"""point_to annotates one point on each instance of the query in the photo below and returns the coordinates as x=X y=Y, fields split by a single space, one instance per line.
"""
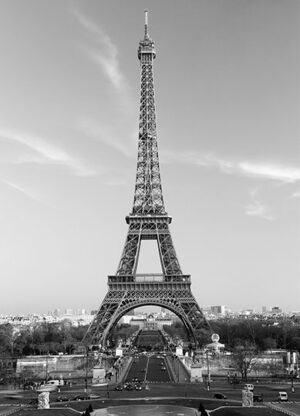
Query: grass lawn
x=245 y=411
x=46 y=412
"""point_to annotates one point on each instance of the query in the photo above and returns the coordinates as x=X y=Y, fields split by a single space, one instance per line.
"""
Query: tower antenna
x=146 y=23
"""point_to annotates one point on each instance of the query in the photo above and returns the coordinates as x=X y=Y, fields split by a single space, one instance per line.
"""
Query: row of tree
x=62 y=337
x=263 y=334
x=45 y=338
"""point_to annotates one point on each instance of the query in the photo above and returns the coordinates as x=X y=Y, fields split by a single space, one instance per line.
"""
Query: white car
x=282 y=396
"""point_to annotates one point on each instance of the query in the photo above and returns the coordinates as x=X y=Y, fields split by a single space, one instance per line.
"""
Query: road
x=152 y=370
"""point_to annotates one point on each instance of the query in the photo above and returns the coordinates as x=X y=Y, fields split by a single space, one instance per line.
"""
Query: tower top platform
x=146 y=45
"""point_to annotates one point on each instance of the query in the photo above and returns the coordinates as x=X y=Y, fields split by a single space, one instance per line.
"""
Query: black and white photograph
x=150 y=207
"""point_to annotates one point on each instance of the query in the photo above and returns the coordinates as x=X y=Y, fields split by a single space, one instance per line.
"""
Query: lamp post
x=47 y=364
x=291 y=361
x=208 y=371
x=86 y=370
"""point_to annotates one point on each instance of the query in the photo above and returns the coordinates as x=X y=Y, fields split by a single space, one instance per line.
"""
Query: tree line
x=62 y=337
x=264 y=334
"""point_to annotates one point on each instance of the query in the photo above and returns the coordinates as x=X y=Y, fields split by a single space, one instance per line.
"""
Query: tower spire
x=146 y=24
x=148 y=198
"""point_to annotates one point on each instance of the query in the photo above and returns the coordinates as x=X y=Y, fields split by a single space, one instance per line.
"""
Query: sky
x=227 y=91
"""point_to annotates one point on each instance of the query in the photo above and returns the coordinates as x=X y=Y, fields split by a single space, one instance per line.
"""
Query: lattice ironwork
x=148 y=220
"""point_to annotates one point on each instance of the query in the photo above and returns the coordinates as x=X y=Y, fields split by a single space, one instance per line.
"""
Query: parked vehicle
x=258 y=398
x=62 y=399
x=80 y=397
x=119 y=387
x=249 y=387
x=220 y=396
x=282 y=396
x=56 y=382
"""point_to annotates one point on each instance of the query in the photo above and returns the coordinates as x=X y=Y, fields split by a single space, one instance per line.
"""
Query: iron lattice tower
x=148 y=220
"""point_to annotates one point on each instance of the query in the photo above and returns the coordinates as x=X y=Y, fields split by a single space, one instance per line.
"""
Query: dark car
x=119 y=387
x=138 y=386
x=129 y=387
x=62 y=399
x=258 y=398
x=80 y=397
x=220 y=396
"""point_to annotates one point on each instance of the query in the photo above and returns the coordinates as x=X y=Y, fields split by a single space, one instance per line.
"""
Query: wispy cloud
x=103 y=51
x=105 y=133
x=46 y=153
x=28 y=193
x=272 y=171
x=257 y=209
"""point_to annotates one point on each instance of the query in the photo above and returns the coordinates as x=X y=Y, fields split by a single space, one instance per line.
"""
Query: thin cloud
x=276 y=172
x=104 y=53
x=105 y=133
x=257 y=209
x=47 y=153
x=24 y=191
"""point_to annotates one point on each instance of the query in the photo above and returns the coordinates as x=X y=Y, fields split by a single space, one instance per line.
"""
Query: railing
x=149 y=278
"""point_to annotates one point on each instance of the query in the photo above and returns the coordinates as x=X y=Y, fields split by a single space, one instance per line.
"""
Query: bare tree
x=244 y=356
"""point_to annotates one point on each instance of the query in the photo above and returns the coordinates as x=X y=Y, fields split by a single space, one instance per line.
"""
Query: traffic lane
x=158 y=370
x=269 y=391
x=138 y=368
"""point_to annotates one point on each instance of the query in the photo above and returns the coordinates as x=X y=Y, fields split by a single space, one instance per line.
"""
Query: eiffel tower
x=148 y=221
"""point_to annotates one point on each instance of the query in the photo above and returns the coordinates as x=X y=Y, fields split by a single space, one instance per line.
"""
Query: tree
x=8 y=337
x=269 y=343
x=244 y=356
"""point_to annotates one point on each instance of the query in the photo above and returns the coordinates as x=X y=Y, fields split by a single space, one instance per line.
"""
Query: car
x=135 y=380
x=220 y=396
x=282 y=396
x=62 y=399
x=80 y=397
x=163 y=368
x=129 y=386
x=138 y=386
x=258 y=398
x=249 y=387
x=119 y=387
x=29 y=385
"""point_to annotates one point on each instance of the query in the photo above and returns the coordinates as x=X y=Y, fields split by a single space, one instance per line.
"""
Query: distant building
x=218 y=309
x=276 y=310
x=68 y=311
x=81 y=312
x=247 y=312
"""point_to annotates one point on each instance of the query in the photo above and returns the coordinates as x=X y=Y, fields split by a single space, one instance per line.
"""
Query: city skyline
x=227 y=98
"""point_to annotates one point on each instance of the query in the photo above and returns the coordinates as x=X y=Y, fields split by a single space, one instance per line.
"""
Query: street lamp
x=86 y=370
x=291 y=361
x=208 y=371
